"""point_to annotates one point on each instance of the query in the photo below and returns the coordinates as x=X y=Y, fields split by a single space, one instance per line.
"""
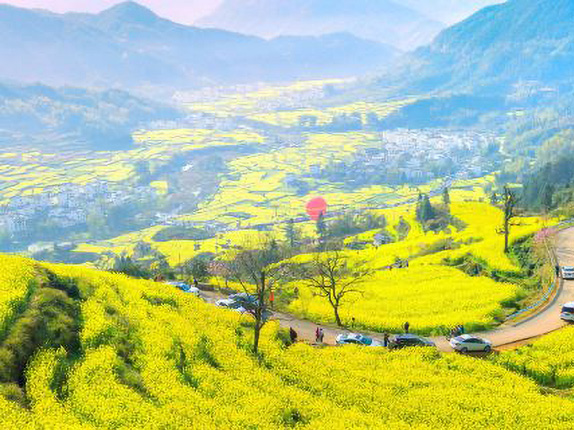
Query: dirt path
x=507 y=336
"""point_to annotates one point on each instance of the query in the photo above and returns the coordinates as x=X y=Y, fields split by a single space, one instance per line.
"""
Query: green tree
x=142 y=250
x=125 y=264
x=425 y=210
x=292 y=234
x=446 y=197
x=198 y=267
x=160 y=266
x=509 y=208
x=547 y=196
x=321 y=226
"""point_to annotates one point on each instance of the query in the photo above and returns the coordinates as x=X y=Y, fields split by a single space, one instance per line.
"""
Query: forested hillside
x=449 y=11
x=528 y=43
x=100 y=120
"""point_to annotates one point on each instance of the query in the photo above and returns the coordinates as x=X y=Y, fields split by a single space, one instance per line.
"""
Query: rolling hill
x=101 y=120
x=130 y=46
x=385 y=21
x=82 y=349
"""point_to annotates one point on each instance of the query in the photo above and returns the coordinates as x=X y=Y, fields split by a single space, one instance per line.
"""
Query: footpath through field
x=508 y=335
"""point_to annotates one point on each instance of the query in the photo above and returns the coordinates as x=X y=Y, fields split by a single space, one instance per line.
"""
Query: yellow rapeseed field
x=191 y=368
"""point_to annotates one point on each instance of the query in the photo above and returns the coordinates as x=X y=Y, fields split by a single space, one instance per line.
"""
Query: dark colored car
x=409 y=340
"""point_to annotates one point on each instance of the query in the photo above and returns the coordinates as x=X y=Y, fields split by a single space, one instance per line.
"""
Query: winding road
x=508 y=335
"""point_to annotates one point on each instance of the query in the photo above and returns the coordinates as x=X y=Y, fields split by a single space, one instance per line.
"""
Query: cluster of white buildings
x=415 y=156
x=413 y=152
x=67 y=206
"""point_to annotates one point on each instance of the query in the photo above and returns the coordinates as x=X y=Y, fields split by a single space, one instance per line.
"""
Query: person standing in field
x=386 y=340
x=317 y=335
x=407 y=326
x=321 y=335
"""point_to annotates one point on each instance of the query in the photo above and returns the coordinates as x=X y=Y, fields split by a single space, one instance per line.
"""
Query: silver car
x=567 y=272
x=468 y=343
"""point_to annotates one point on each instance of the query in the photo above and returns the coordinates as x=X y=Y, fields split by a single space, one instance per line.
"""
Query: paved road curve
x=548 y=319
x=541 y=323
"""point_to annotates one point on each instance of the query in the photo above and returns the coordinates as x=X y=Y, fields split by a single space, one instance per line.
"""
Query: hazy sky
x=184 y=11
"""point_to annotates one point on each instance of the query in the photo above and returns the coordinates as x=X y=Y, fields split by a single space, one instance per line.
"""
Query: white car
x=567 y=313
x=567 y=272
x=467 y=343
x=192 y=290
x=356 y=339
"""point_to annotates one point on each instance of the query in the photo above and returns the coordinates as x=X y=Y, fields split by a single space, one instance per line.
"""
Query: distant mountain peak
x=130 y=11
x=385 y=21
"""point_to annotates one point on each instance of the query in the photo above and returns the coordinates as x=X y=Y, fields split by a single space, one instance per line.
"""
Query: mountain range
x=404 y=24
x=384 y=21
x=130 y=46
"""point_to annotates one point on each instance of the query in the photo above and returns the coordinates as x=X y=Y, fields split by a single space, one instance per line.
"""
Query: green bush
x=51 y=320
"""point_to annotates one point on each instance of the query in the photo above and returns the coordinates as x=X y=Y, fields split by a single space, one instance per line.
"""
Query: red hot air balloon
x=316 y=207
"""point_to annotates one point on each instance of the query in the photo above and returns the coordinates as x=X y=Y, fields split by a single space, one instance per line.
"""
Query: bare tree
x=256 y=270
x=509 y=201
x=331 y=276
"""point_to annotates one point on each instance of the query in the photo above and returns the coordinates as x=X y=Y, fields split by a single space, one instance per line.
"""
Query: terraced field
x=34 y=173
x=431 y=296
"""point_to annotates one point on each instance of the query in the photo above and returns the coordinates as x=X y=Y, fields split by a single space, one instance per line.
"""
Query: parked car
x=467 y=343
x=185 y=288
x=231 y=304
x=409 y=340
x=243 y=297
x=356 y=339
x=241 y=306
x=567 y=313
x=567 y=272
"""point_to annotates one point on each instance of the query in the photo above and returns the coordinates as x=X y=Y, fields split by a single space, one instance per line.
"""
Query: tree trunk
x=337 y=317
x=506 y=236
x=260 y=312
x=256 y=335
